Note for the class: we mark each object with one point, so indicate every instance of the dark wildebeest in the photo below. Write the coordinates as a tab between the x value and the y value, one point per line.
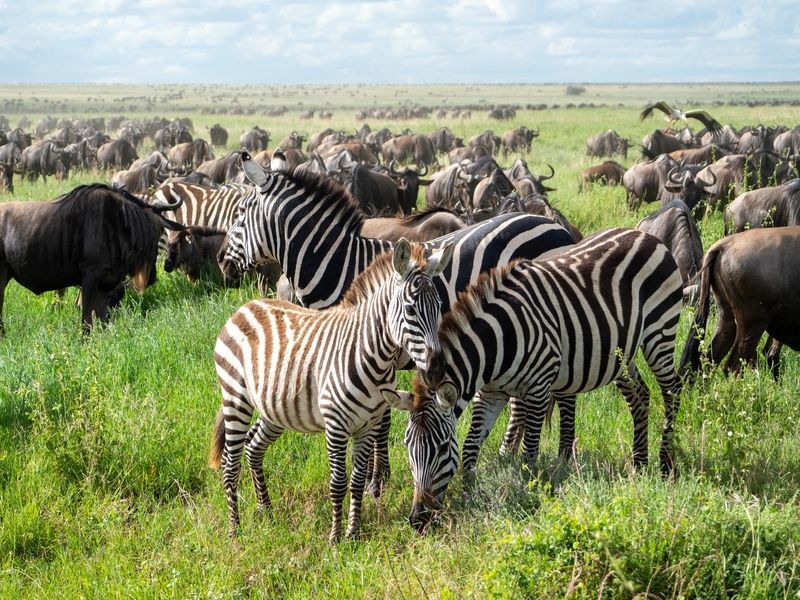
537	204
532	184
294	157
20	138
255	140
293	140
383	195
607	173
222	169
10	154
704	155
426	225
488	138
92	237
6	178
756	286
116	154
191	154
448	187
410	148
777	206
44	158
444	141
674	225
737	171
727	137
787	142
487	195
80	155
518	140
218	135
358	149
657	143
607	143
468	153
316	139
140	181
663	179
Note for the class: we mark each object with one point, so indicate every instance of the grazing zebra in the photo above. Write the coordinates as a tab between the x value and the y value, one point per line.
329	371
312	227
562	326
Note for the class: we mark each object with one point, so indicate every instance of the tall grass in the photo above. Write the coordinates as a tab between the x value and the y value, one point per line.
104	489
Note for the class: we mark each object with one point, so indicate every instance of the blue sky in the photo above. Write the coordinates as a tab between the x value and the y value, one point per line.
398	41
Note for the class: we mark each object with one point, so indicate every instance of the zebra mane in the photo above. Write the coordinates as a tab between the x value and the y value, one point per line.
330	193
374	276
470	301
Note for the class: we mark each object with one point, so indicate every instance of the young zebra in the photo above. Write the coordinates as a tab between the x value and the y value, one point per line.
329	371
564	325
312	227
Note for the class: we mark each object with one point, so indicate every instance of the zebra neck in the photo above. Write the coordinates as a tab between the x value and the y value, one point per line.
369	316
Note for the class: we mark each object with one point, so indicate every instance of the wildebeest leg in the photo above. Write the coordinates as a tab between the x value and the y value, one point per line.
772	350
638	398
4	278
485	408
725	333
260	437
747	338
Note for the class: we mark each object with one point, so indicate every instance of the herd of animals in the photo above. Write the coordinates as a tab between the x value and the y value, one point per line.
490	293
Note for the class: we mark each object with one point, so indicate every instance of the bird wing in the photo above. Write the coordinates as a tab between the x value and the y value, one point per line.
660	105
706	119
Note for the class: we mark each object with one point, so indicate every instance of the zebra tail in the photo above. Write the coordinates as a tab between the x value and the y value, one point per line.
217	442
691	352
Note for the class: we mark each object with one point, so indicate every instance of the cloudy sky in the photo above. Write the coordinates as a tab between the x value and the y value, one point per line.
398	41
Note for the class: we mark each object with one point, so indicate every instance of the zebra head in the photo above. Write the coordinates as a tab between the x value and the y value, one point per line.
432	453
416	309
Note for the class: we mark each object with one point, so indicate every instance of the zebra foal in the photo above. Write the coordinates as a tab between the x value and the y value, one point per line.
330	371
562	326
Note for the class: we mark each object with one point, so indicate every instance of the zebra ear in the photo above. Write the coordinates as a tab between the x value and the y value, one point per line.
401	261
254	171
446	396
398	400
439	260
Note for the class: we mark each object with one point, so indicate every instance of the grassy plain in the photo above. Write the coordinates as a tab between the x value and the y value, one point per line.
104	488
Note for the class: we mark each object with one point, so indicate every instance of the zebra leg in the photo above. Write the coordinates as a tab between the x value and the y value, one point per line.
535	406
485	409
336	443
363	446
566	425
515	428
378	470
663	367
237	412
638	398
259	438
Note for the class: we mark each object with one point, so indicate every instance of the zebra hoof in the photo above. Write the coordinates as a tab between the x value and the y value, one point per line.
353	534
335	536
376	488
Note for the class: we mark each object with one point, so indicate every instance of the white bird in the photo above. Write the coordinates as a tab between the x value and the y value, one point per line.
676	114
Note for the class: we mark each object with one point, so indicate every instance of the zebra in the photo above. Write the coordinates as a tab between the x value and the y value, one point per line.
312	227
558	326
330	371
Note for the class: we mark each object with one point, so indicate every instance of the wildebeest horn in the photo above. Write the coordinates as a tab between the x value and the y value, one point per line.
425	172
161	202
552	173
671	176
702	183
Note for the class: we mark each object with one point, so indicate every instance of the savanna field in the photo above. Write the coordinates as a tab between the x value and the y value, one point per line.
105	489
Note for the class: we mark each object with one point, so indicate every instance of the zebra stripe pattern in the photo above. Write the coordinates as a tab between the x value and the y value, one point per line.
311	226
559	326
330	371
202	206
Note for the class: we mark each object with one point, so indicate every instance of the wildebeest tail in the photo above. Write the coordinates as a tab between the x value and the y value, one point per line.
691	352
217	442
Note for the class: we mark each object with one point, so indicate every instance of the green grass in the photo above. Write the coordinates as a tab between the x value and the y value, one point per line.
104	488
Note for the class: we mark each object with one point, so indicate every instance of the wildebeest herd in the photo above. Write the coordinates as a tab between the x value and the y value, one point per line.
489	291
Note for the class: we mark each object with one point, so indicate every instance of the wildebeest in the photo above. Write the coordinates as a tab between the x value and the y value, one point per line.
379	195
140	181
674	225
255	140
293	140
409	148
116	154
449	186
787	142
488	138
487	195
777	206
423	226
537	204
358	149
10	154
6	178
44	158
608	173
20	138
191	154
756	285
699	156
663	179
222	169
468	153
444	141
92	237
218	135
518	140
80	155
657	142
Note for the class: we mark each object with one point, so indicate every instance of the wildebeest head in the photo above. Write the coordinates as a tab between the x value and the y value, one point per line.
683	180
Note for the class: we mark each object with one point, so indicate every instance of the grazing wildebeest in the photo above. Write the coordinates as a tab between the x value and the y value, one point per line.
607	173
191	154
116	154
410	148
6	178
518	140
80	155
777	206
92	237
420	227
44	158
444	141
218	135
255	140
488	138
756	285
487	195
674	225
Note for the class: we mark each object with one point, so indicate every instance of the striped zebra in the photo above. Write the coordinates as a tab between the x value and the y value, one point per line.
330	371
312	227
203	206
562	326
